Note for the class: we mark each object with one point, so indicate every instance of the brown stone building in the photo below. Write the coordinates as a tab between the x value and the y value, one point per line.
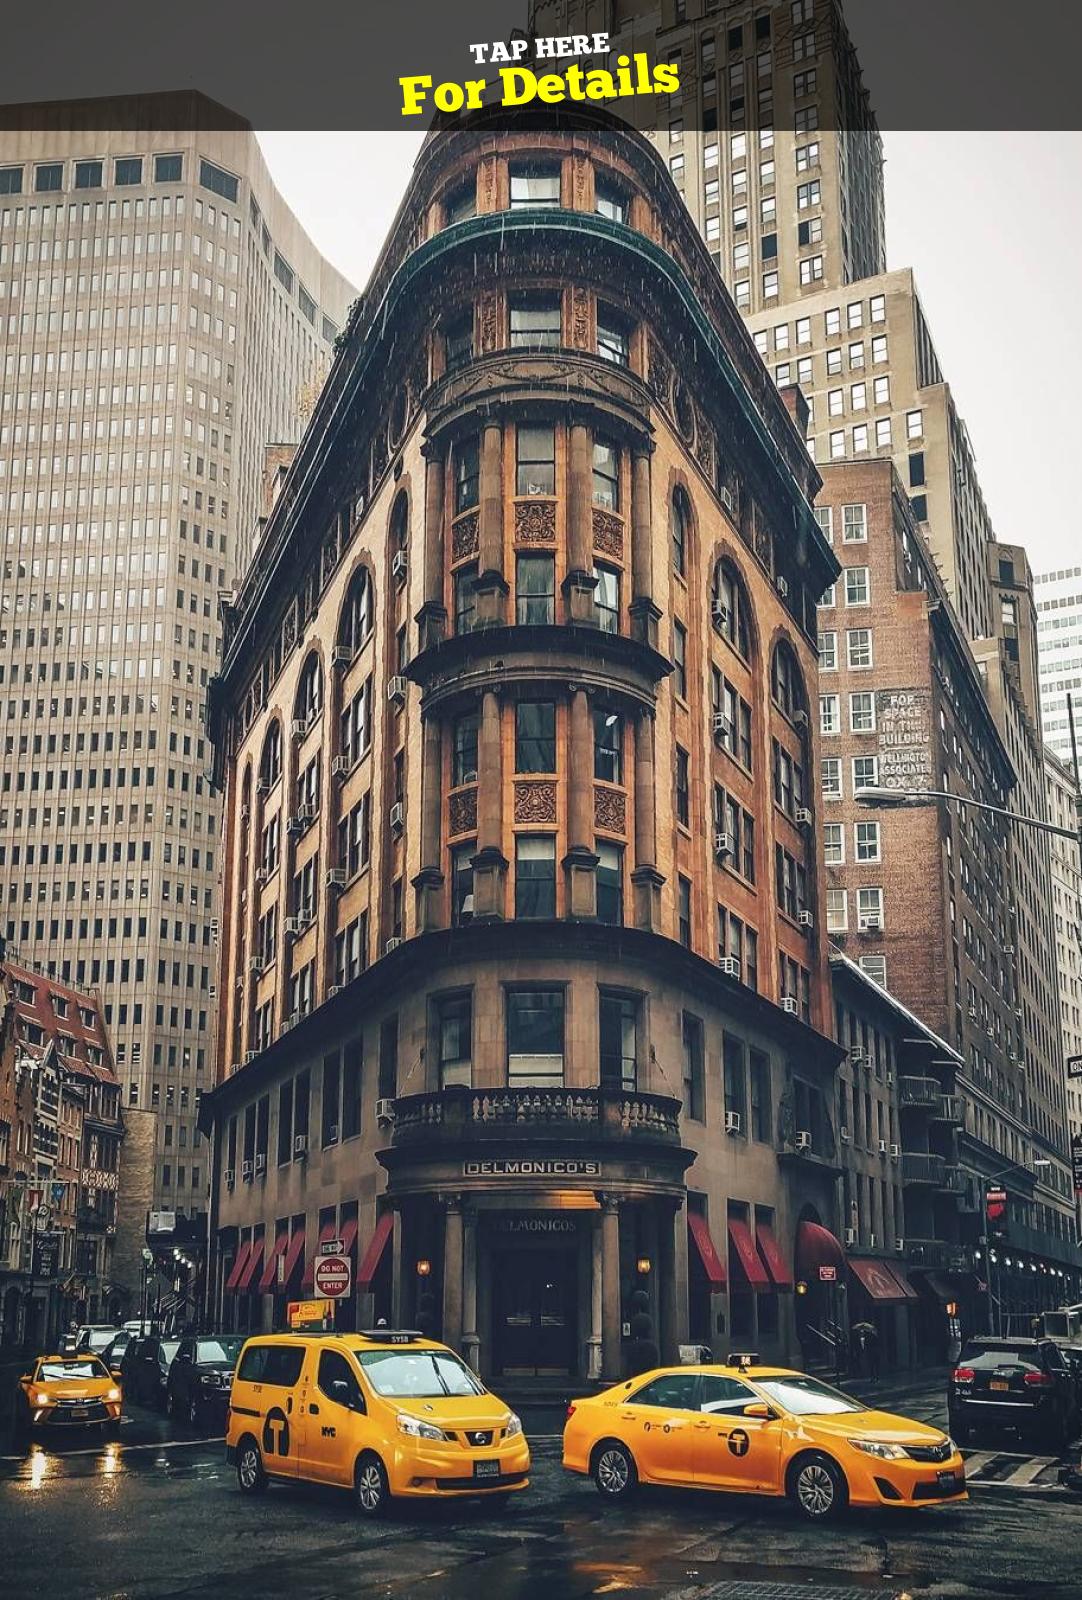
525	991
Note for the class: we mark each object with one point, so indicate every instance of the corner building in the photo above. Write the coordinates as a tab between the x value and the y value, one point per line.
525	985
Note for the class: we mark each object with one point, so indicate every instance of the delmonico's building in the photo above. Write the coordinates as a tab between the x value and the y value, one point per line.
524	986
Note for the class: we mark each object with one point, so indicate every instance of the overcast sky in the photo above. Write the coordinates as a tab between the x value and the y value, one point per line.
988	221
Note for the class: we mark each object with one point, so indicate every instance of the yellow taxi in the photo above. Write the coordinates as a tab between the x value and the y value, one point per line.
69	1391
384	1413
757	1429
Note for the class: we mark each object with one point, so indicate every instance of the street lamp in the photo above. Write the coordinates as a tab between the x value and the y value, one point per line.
899	799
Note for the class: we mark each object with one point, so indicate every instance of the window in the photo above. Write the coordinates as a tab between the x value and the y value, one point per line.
914	424
867	841
916	470
824	516
883	438
612	336
835	402
830	713
869	908
458	340
858	396
355	724
857	586
536	459
854	314
462	884
464	597
277	1364
48	178
535	1038
535	324
464	749
919	504
878	307
730	608
331	1098
837	445
535	736
874	967
828	651
807	156
610	882
618	1018
862	712
608	746
461	204
535	875
679	656
214	179
607	599
610	202
683	911
858	647
679	527
734	1078
831	777
356	623
11	180
682	788
606	479
865	772
535	186
808	194
454	1028
786	684
837	910
535	590
693	1074
352	1074
833	844
759	1083
881	388
129	170
309	702
811	269
88	174
860	438
467	474
355	836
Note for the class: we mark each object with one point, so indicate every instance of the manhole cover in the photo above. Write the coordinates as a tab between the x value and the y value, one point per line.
740	1590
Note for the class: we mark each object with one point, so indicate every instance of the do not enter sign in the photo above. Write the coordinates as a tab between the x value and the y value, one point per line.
333	1277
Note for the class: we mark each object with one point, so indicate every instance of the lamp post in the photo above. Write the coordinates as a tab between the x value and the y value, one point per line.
900	799
1039	1164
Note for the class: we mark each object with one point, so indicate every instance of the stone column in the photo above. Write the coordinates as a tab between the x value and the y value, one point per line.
580	862
452	1271
580	583
611	1337
596	1301
398	1295
491	588
432	617
668	1321
645	613
428	883
490	863
471	1339
645	878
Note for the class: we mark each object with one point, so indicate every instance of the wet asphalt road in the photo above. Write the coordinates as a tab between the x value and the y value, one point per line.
158	1515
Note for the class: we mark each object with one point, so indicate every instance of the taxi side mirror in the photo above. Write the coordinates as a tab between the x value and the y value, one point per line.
27	1377
116	1374
759	1408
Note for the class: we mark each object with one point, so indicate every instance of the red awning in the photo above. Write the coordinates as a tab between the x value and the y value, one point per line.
328	1232
741	1241
293	1258
376	1246
898	1273
877	1279
268	1283
817	1247
775	1261
704	1244
248	1279
238	1266
348	1235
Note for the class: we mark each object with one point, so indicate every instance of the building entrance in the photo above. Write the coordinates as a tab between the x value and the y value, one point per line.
535	1312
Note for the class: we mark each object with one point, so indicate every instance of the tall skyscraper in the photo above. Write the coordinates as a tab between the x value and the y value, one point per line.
1059	655
164	316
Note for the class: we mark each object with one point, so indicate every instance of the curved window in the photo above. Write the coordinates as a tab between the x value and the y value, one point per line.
356	620
270	762
467	462
786	682
680	530
461	204
309	701
730	608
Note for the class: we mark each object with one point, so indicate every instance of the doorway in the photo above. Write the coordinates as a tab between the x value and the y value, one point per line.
535	1313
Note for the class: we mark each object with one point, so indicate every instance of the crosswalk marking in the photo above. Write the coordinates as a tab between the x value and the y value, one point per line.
1029	1470
978	1460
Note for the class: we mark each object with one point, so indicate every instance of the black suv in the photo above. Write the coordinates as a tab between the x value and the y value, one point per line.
201	1377
1021	1384
145	1370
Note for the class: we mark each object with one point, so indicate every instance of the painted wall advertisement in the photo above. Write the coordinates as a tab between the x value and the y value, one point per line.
903	720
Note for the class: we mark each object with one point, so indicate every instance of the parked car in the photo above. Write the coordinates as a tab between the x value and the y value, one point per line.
201	1377
94	1336
145	1370
113	1353
1025	1385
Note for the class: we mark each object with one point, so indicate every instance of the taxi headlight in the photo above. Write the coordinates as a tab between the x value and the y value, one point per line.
512	1426
879	1449
114	1394
41	1398
414	1428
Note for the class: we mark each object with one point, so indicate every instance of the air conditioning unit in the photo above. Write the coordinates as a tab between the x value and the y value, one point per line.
249	1057
895	1152
332	1133
805	919
396	817
391	944
262	786
720	614
803	817
899	1245
873	1240
262	876
789	1004
724	845
396	690
245	813
782	586
870	923
890	1080
298	728
801	720
336	878
255	964
335	988
246	1171
292	1020
882	1147
730	966
1008	949
399	566
732	1122
728	500
212	991
385	1112
230	1178
722	727
803	1140
1020	1014
261	1162
341	655
300	1145
340	766
301	820
295	926
214	925
858	1057
843	1135
972	1013
850	1236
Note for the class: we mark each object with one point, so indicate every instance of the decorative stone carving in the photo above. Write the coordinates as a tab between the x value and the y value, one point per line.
488	323
486	186
704	448
580	318
535	521
610	810
660	374
684	409
579	178
608	533
289	629
462	812
465	537
535	800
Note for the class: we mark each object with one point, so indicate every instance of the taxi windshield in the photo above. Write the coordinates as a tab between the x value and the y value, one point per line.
417	1374
807	1397
74	1371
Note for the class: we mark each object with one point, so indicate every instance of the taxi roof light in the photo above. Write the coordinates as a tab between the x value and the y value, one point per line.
742	1358
391	1335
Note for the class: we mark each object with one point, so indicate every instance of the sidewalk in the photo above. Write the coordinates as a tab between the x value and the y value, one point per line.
924	1387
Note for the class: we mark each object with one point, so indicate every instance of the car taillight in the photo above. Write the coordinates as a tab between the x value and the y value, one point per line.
964	1374
570	1410
1039	1380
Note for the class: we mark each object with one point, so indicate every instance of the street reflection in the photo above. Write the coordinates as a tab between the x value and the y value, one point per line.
40	1466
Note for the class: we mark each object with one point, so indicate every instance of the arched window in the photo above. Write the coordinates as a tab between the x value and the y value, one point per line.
356	620
730	608
270	762
309	702
246	799
680	529
787	682
400	526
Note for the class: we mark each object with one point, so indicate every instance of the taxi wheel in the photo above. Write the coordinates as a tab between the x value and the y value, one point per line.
614	1471
370	1487
250	1475
817	1487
